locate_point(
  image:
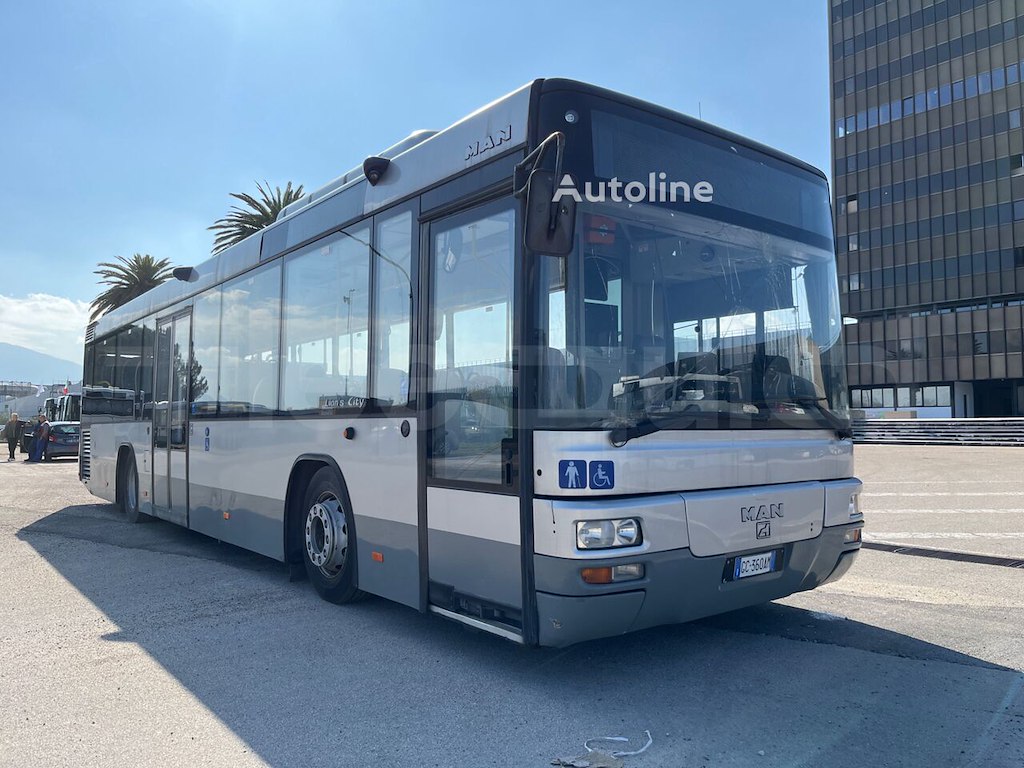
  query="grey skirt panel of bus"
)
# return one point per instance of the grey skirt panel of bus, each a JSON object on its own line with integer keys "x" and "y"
{"x": 475, "y": 568}
{"x": 232, "y": 500}
{"x": 388, "y": 559}
{"x": 252, "y": 522}
{"x": 677, "y": 587}
{"x": 474, "y": 548}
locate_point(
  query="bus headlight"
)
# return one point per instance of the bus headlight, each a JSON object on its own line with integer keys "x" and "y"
{"x": 627, "y": 532}
{"x": 605, "y": 534}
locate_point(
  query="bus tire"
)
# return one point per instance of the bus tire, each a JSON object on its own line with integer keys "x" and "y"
{"x": 328, "y": 539}
{"x": 130, "y": 492}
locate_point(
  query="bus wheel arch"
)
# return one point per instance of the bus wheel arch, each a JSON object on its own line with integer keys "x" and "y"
{"x": 320, "y": 530}
{"x": 294, "y": 515}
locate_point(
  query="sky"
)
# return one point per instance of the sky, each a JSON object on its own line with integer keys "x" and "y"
{"x": 124, "y": 125}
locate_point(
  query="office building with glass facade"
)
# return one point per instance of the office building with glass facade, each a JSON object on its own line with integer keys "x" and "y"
{"x": 928, "y": 178}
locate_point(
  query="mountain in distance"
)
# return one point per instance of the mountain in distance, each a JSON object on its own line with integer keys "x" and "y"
{"x": 21, "y": 364}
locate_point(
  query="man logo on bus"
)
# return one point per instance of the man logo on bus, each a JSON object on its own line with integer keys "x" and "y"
{"x": 760, "y": 512}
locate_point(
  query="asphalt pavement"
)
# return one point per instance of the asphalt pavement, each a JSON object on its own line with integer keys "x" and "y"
{"x": 957, "y": 498}
{"x": 152, "y": 645}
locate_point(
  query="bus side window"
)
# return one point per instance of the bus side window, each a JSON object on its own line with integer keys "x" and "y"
{"x": 326, "y": 317}
{"x": 203, "y": 374}
{"x": 472, "y": 381}
{"x": 393, "y": 309}
{"x": 249, "y": 342}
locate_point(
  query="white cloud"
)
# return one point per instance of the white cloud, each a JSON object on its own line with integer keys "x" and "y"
{"x": 53, "y": 325}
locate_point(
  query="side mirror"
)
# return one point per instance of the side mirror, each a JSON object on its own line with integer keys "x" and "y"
{"x": 550, "y": 224}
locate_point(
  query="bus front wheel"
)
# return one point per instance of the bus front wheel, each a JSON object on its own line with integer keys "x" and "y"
{"x": 329, "y": 545}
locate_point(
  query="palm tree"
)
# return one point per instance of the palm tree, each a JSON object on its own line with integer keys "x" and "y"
{"x": 240, "y": 223}
{"x": 127, "y": 279}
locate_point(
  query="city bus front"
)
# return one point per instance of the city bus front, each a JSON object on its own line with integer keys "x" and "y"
{"x": 691, "y": 438}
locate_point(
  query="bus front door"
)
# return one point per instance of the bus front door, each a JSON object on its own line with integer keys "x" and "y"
{"x": 472, "y": 504}
{"x": 170, "y": 419}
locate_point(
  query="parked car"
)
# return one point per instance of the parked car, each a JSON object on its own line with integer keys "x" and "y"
{"x": 63, "y": 440}
{"x": 28, "y": 431}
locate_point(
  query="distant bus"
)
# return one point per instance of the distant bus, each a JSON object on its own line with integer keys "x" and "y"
{"x": 69, "y": 407}
{"x": 108, "y": 403}
{"x": 458, "y": 378}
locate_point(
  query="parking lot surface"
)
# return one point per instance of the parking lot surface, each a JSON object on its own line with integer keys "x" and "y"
{"x": 152, "y": 645}
{"x": 963, "y": 499}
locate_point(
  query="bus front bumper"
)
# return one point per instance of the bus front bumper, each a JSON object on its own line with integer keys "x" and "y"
{"x": 676, "y": 587}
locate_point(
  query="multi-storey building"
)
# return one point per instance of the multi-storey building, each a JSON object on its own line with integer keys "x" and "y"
{"x": 928, "y": 174}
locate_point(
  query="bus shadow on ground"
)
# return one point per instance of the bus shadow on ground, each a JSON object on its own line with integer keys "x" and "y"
{"x": 105, "y": 524}
{"x": 387, "y": 685}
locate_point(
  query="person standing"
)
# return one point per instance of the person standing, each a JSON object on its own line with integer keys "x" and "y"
{"x": 41, "y": 437}
{"x": 12, "y": 431}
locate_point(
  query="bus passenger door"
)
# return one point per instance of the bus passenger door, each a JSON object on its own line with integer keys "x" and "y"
{"x": 170, "y": 419}
{"x": 472, "y": 505}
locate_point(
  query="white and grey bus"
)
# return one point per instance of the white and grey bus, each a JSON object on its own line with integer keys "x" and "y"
{"x": 456, "y": 378}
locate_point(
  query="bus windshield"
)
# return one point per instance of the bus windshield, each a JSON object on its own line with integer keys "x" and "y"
{"x": 680, "y": 321}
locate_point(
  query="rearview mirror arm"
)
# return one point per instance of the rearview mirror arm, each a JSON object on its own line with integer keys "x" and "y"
{"x": 521, "y": 174}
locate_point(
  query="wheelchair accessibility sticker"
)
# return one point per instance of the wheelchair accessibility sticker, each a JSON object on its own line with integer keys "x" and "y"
{"x": 602, "y": 475}
{"x": 576, "y": 473}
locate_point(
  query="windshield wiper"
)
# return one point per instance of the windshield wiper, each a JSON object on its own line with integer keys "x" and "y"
{"x": 842, "y": 427}
{"x": 829, "y": 420}
{"x": 646, "y": 425}
{"x": 622, "y": 434}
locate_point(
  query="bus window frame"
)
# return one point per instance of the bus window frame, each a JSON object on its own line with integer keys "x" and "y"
{"x": 410, "y": 406}
{"x": 471, "y": 206}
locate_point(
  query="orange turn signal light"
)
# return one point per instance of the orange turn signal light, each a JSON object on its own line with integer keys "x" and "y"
{"x": 597, "y": 575}
{"x": 378, "y": 557}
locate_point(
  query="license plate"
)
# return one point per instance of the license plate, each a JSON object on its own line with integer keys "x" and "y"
{"x": 754, "y": 565}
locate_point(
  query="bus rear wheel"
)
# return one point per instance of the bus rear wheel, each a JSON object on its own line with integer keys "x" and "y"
{"x": 130, "y": 491}
{"x": 329, "y": 545}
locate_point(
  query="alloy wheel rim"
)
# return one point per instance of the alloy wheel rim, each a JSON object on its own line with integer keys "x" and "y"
{"x": 327, "y": 535}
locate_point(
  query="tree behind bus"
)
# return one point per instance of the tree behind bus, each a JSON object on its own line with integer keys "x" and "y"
{"x": 128, "y": 279}
{"x": 240, "y": 223}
